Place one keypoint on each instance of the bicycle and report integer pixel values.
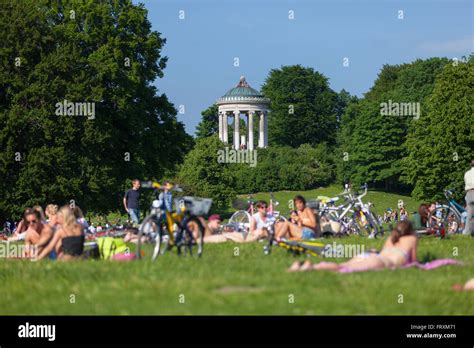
(449, 216)
(167, 229)
(354, 216)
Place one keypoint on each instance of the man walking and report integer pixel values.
(131, 201)
(469, 181)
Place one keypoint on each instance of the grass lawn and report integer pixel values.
(251, 283)
(222, 283)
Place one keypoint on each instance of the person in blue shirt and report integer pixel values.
(166, 197)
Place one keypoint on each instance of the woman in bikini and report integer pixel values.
(304, 226)
(398, 250)
(68, 241)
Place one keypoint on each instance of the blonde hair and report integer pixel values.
(69, 220)
(52, 209)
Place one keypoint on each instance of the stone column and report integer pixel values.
(250, 127)
(261, 127)
(236, 129)
(225, 129)
(221, 133)
(265, 128)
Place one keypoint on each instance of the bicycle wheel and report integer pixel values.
(373, 227)
(151, 229)
(191, 238)
(448, 218)
(161, 240)
(241, 218)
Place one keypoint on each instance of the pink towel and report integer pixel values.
(426, 266)
(124, 257)
(433, 264)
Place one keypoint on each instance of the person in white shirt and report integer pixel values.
(469, 181)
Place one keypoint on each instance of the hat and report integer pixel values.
(214, 217)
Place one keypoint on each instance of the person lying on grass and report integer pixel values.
(258, 228)
(304, 226)
(398, 250)
(469, 286)
(68, 241)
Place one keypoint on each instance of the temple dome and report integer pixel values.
(242, 93)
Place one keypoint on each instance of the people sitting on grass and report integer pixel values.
(68, 241)
(40, 210)
(37, 232)
(420, 218)
(80, 217)
(398, 250)
(52, 216)
(258, 229)
(403, 213)
(304, 226)
(20, 232)
(433, 218)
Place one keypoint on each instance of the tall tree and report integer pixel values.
(440, 145)
(375, 147)
(205, 172)
(303, 107)
(103, 53)
(209, 123)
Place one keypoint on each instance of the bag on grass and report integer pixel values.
(109, 246)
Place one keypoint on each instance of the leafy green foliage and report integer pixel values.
(440, 144)
(372, 141)
(303, 107)
(209, 124)
(286, 168)
(202, 174)
(78, 51)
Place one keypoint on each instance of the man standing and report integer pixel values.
(131, 201)
(469, 181)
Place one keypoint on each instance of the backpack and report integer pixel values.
(109, 246)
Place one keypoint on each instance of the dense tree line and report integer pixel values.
(100, 52)
(413, 130)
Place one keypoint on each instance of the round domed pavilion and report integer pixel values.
(243, 99)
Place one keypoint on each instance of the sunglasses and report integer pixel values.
(263, 207)
(32, 221)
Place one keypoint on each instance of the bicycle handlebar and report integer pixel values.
(157, 186)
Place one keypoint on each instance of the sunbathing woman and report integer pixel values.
(398, 250)
(68, 241)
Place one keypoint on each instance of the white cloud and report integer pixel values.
(458, 45)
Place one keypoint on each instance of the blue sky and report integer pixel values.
(201, 47)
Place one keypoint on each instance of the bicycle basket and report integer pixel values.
(313, 204)
(194, 205)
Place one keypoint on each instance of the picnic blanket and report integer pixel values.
(426, 266)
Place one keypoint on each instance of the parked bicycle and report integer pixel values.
(167, 229)
(354, 216)
(447, 218)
